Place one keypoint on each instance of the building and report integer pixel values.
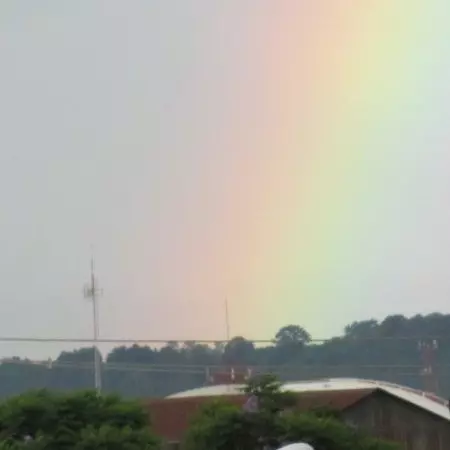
(414, 418)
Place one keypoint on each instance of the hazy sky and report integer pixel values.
(107, 110)
(137, 126)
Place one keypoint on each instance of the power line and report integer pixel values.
(201, 367)
(279, 370)
(209, 341)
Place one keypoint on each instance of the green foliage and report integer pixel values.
(220, 426)
(40, 443)
(267, 389)
(108, 437)
(49, 421)
(27, 414)
(82, 355)
(292, 335)
(237, 350)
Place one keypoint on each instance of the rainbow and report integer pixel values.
(352, 98)
(297, 182)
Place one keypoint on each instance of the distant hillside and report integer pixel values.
(398, 349)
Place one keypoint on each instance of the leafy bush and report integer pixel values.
(112, 438)
(220, 426)
(268, 391)
(42, 420)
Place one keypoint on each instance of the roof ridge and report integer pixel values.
(423, 400)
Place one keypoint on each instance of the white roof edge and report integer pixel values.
(429, 402)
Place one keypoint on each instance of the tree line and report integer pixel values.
(397, 349)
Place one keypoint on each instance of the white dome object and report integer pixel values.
(423, 400)
(297, 446)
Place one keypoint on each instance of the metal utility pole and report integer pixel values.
(428, 353)
(92, 292)
(227, 321)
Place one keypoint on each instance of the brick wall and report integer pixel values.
(170, 418)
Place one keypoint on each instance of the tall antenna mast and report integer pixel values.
(227, 320)
(227, 330)
(92, 292)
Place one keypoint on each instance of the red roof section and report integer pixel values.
(170, 417)
(337, 400)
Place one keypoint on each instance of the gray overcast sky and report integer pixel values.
(105, 111)
(152, 130)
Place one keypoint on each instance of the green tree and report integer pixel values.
(289, 343)
(366, 329)
(58, 422)
(267, 390)
(135, 354)
(292, 335)
(220, 426)
(81, 355)
(239, 351)
(113, 438)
